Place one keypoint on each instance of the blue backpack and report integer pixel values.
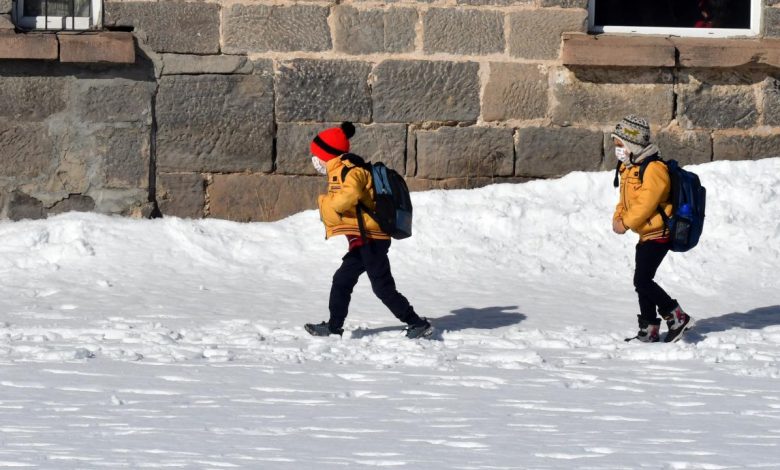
(393, 204)
(688, 198)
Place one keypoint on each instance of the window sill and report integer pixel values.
(629, 50)
(89, 47)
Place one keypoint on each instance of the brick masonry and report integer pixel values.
(209, 110)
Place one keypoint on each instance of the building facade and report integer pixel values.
(206, 108)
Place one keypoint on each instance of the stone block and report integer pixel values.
(27, 150)
(416, 91)
(708, 106)
(453, 152)
(181, 194)
(106, 46)
(246, 198)
(459, 31)
(550, 152)
(374, 31)
(171, 26)
(536, 34)
(323, 90)
(607, 101)
(500, 3)
(73, 203)
(565, 3)
(283, 28)
(27, 98)
(419, 184)
(215, 123)
(5, 23)
(376, 142)
(113, 100)
(617, 50)
(5, 6)
(125, 157)
(411, 151)
(186, 64)
(771, 102)
(772, 22)
(687, 147)
(515, 91)
(28, 46)
(746, 146)
(23, 206)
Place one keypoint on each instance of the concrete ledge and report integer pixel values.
(113, 47)
(617, 50)
(712, 53)
(27, 46)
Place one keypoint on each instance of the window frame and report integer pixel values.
(756, 9)
(58, 23)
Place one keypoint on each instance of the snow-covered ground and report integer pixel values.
(179, 344)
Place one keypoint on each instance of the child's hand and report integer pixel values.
(618, 226)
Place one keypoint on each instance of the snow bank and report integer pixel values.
(122, 326)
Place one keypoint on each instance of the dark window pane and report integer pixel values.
(674, 13)
(56, 7)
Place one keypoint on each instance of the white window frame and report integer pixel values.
(756, 7)
(59, 23)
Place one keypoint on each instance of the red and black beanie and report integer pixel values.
(332, 142)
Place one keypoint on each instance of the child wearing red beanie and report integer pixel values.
(350, 185)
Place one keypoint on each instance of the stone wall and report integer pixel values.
(215, 116)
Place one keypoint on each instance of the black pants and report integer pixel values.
(648, 257)
(370, 258)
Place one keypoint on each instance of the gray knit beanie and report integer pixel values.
(634, 132)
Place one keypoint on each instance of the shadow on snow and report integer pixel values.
(486, 318)
(755, 319)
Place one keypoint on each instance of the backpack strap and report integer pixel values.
(645, 162)
(616, 181)
(361, 224)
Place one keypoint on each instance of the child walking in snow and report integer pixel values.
(644, 192)
(350, 187)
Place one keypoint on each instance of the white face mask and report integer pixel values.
(319, 165)
(623, 155)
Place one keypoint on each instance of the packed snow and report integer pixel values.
(177, 343)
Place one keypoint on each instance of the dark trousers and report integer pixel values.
(648, 257)
(372, 259)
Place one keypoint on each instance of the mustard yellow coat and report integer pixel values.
(639, 200)
(338, 208)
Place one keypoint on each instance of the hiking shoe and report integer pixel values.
(322, 329)
(423, 329)
(649, 332)
(678, 322)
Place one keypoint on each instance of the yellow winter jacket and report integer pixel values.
(338, 208)
(639, 200)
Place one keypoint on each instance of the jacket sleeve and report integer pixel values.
(351, 191)
(654, 190)
(618, 211)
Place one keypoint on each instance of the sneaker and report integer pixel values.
(322, 329)
(649, 332)
(678, 322)
(419, 330)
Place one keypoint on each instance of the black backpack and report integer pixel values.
(688, 198)
(393, 204)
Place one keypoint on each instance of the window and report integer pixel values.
(696, 18)
(58, 15)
